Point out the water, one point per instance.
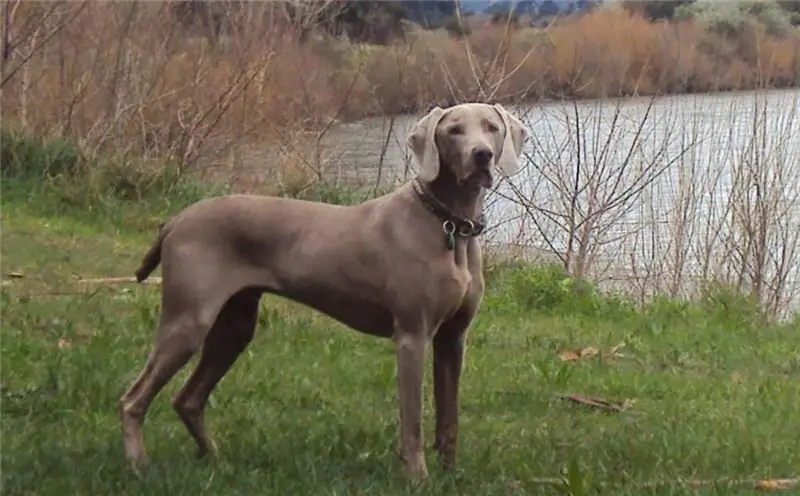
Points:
(643, 195)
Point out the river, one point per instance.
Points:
(657, 195)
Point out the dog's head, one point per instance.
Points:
(469, 139)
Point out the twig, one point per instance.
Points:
(598, 403)
(757, 484)
(120, 280)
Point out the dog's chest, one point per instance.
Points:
(452, 285)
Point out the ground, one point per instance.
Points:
(310, 408)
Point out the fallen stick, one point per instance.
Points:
(597, 403)
(120, 280)
(757, 484)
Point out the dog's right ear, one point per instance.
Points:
(422, 141)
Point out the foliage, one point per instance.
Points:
(549, 289)
(789, 5)
(430, 14)
(455, 27)
(58, 170)
(658, 9)
(733, 19)
(505, 18)
(548, 8)
(363, 21)
(22, 157)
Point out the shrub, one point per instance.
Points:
(27, 158)
(80, 181)
(656, 9)
(732, 19)
(455, 27)
(770, 15)
(548, 289)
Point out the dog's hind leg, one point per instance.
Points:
(230, 335)
(176, 343)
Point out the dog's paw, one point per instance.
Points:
(416, 470)
(139, 463)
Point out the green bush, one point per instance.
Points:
(519, 287)
(26, 158)
(548, 289)
(770, 15)
(455, 27)
(67, 177)
(60, 176)
(731, 19)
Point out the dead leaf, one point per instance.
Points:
(569, 355)
(64, 344)
(15, 274)
(598, 403)
(736, 377)
(574, 355)
(777, 484)
(119, 280)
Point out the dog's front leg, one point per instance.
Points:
(410, 346)
(448, 358)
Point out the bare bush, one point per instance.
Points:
(665, 196)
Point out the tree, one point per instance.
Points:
(429, 14)
(371, 21)
(655, 10)
(549, 8)
(505, 18)
(789, 5)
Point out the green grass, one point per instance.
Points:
(310, 408)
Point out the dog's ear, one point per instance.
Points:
(516, 135)
(422, 141)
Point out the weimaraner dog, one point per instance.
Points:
(405, 266)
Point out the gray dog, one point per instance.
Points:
(404, 266)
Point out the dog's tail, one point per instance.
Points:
(152, 258)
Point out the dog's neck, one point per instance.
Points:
(465, 201)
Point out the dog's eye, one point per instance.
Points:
(456, 130)
(492, 127)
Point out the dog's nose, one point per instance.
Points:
(482, 156)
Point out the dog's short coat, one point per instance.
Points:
(404, 266)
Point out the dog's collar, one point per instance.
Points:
(453, 224)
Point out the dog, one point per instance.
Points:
(405, 266)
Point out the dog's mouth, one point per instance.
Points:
(482, 177)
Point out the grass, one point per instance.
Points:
(310, 408)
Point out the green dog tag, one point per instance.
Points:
(450, 240)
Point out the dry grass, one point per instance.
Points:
(127, 78)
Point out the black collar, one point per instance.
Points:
(453, 224)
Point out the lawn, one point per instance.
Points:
(709, 391)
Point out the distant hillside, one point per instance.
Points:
(532, 7)
(435, 13)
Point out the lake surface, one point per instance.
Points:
(645, 195)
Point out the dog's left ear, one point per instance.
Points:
(422, 141)
(516, 135)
